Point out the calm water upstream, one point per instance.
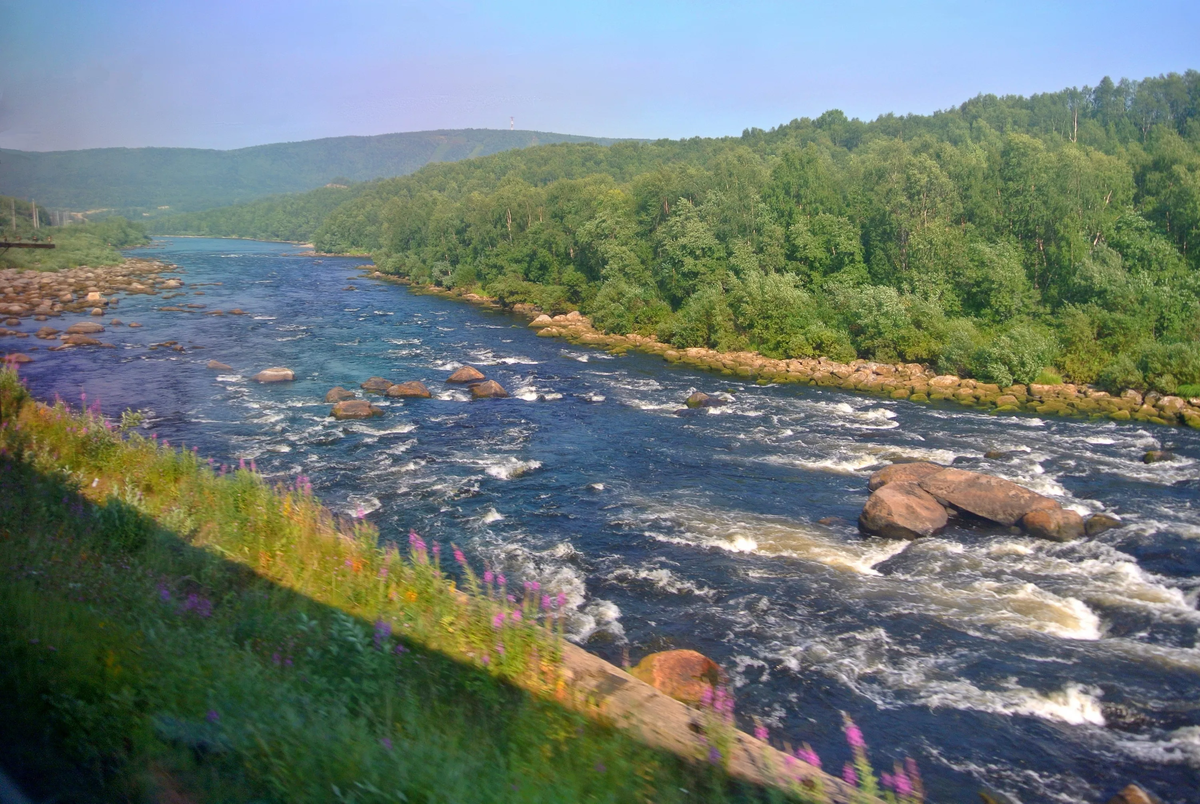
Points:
(1054, 672)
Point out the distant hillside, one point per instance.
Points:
(137, 180)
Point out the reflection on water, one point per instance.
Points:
(1050, 671)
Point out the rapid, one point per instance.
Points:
(1051, 672)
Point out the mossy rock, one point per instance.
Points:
(900, 393)
(726, 373)
(1085, 405)
(1158, 420)
(1119, 415)
(1192, 421)
(762, 381)
(966, 401)
(671, 356)
(1008, 409)
(937, 396)
(918, 398)
(1052, 408)
(745, 371)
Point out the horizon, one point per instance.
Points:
(130, 74)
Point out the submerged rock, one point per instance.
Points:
(84, 328)
(488, 389)
(1157, 456)
(217, 365)
(414, 389)
(682, 674)
(1056, 524)
(355, 409)
(338, 394)
(911, 472)
(902, 510)
(703, 400)
(987, 497)
(18, 357)
(377, 385)
(277, 374)
(466, 374)
(1098, 523)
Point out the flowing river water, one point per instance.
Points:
(1051, 672)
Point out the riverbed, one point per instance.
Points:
(1051, 672)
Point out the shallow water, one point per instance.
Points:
(1053, 672)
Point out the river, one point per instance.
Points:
(1051, 672)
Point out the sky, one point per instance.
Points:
(219, 74)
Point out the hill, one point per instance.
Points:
(141, 180)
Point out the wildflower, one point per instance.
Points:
(459, 557)
(383, 630)
(600, 767)
(516, 615)
(276, 659)
(253, 468)
(498, 620)
(500, 579)
(487, 659)
(198, 605)
(241, 462)
(807, 755)
(760, 733)
(887, 780)
(854, 736)
(399, 650)
(562, 599)
(714, 754)
(164, 593)
(500, 648)
(902, 784)
(437, 551)
(849, 775)
(488, 576)
(546, 602)
(359, 513)
(706, 696)
(386, 743)
(213, 716)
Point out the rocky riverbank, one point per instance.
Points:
(911, 381)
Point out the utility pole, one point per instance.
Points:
(510, 124)
(33, 212)
(13, 201)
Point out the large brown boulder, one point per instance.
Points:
(84, 328)
(1132, 794)
(466, 374)
(988, 497)
(902, 510)
(1055, 524)
(217, 365)
(682, 674)
(414, 389)
(903, 473)
(338, 394)
(377, 385)
(489, 389)
(17, 357)
(355, 409)
(80, 340)
(277, 374)
(702, 400)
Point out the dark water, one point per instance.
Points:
(1052, 672)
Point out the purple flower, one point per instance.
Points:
(500, 579)
(706, 696)
(600, 767)
(276, 659)
(383, 631)
(498, 620)
(887, 780)
(437, 551)
(253, 468)
(212, 716)
(854, 736)
(714, 754)
(760, 733)
(562, 599)
(386, 742)
(487, 576)
(487, 659)
(241, 462)
(198, 605)
(807, 755)
(903, 785)
(399, 649)
(459, 557)
(500, 648)
(516, 615)
(546, 602)
(164, 593)
(849, 775)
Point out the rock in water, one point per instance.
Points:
(902, 510)
(903, 473)
(338, 394)
(1157, 456)
(413, 389)
(988, 497)
(84, 328)
(81, 340)
(18, 357)
(377, 385)
(682, 674)
(355, 409)
(703, 400)
(1133, 794)
(217, 365)
(466, 374)
(277, 374)
(489, 389)
(1055, 524)
(1098, 523)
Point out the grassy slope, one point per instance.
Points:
(166, 626)
(75, 244)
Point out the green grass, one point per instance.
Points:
(1048, 376)
(168, 627)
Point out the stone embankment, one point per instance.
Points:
(909, 381)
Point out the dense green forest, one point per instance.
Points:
(138, 181)
(75, 244)
(282, 217)
(991, 240)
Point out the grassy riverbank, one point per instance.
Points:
(177, 631)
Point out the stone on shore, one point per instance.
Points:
(377, 385)
(1055, 524)
(414, 389)
(466, 374)
(682, 674)
(217, 365)
(355, 409)
(984, 496)
(911, 472)
(277, 374)
(902, 510)
(338, 394)
(488, 389)
(542, 320)
(84, 328)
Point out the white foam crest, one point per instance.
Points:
(230, 378)
(454, 395)
(491, 516)
(358, 505)
(1006, 605)
(1181, 746)
(1074, 703)
(508, 468)
(739, 532)
(663, 580)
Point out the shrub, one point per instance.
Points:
(1016, 356)
(1121, 373)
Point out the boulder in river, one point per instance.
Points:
(703, 400)
(18, 357)
(276, 374)
(1132, 794)
(488, 389)
(84, 328)
(542, 320)
(46, 333)
(465, 375)
(217, 365)
(413, 389)
(682, 674)
(902, 510)
(911, 472)
(355, 409)
(376, 385)
(80, 340)
(1098, 523)
(987, 497)
(1157, 456)
(1056, 524)
(338, 394)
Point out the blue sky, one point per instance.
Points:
(220, 74)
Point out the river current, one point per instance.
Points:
(1051, 672)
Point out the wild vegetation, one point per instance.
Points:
(74, 244)
(170, 625)
(992, 240)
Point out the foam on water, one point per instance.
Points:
(1181, 746)
(509, 468)
(663, 580)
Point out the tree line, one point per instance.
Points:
(996, 239)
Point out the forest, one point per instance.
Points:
(1003, 239)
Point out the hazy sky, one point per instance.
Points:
(218, 74)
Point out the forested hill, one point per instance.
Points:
(185, 179)
(995, 239)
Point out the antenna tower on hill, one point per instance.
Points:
(510, 124)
